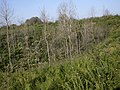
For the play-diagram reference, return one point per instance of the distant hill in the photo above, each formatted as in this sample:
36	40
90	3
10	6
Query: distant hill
33	20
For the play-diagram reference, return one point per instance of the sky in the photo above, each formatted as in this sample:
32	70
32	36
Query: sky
24	9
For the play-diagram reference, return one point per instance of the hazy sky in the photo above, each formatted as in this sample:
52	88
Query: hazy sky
28	8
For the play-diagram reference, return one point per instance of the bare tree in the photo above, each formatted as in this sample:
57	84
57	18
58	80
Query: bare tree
44	19
66	17
71	23
63	18
78	32
6	14
92	12
106	12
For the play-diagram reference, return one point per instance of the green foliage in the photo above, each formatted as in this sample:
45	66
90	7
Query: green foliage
96	69
82	74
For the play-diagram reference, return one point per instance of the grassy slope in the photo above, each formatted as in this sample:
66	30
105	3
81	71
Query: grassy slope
97	69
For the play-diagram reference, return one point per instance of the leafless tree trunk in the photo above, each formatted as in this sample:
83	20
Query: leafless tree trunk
71	17
78	37
44	19
92	12
66	16
6	14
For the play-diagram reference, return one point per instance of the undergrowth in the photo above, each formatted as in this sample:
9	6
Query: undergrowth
98	69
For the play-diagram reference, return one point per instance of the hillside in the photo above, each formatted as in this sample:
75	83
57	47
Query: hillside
93	64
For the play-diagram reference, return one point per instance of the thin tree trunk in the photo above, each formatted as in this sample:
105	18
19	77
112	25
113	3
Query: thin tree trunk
8	46
70	42
48	50
67	49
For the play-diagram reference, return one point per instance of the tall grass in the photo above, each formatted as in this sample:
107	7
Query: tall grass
98	69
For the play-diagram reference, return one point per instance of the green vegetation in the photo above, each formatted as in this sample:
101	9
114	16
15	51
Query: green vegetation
96	66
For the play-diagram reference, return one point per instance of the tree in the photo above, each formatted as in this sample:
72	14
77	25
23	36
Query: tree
44	19
66	17
106	12
92	12
6	14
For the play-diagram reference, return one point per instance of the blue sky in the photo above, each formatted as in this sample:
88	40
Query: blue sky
29	8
